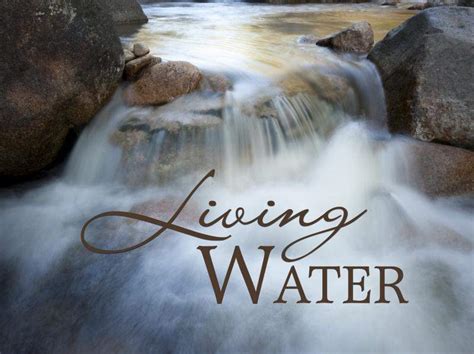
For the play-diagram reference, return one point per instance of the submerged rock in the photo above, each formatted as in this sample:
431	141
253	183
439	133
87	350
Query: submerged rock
163	143
213	82
331	87
59	63
358	38
124	11
427	69
162	83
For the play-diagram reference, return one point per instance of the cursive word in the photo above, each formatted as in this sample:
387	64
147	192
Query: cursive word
338	216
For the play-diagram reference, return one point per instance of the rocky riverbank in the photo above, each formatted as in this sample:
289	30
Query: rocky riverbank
427	76
64	95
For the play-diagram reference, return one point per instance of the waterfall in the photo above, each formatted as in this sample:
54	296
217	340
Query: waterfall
307	135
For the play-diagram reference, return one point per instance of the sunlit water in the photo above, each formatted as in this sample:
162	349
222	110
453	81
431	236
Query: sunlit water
314	143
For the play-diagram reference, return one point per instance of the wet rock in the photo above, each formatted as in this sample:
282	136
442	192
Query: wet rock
441	170
427	76
358	38
333	88
162	143
128	55
134	67
124	11
217	83
140	49
163	83
419	6
308	39
389	3
433	3
59	64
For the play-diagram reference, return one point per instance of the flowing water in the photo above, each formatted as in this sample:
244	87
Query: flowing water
300	126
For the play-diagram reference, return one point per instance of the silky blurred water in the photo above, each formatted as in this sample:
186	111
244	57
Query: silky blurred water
316	149
253	37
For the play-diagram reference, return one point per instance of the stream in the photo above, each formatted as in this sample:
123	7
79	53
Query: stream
301	126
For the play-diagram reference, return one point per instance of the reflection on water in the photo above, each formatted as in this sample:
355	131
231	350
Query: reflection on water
260	38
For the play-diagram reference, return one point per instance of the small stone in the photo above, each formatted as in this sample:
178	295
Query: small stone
358	38
134	67
128	55
163	83
217	83
140	49
419	7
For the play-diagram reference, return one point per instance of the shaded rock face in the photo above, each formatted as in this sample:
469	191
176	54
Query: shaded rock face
441	170
451	2
60	61
420	6
427	69
358	38
279	2
162	83
124	11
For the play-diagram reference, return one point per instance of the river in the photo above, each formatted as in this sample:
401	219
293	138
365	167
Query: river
301	126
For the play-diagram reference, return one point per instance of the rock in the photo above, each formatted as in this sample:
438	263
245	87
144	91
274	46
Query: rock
358	38
124	11
389	3
307	39
59	64
140	50
162	143
419	6
134	67
441	170
451	3
427	69
217	83
128	55
162	83
331	87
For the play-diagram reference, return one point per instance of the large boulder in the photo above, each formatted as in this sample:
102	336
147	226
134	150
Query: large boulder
427	69
124	11
60	61
358	38
162	83
425	4
451	2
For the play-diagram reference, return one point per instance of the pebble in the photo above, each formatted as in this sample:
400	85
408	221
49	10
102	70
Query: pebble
140	49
